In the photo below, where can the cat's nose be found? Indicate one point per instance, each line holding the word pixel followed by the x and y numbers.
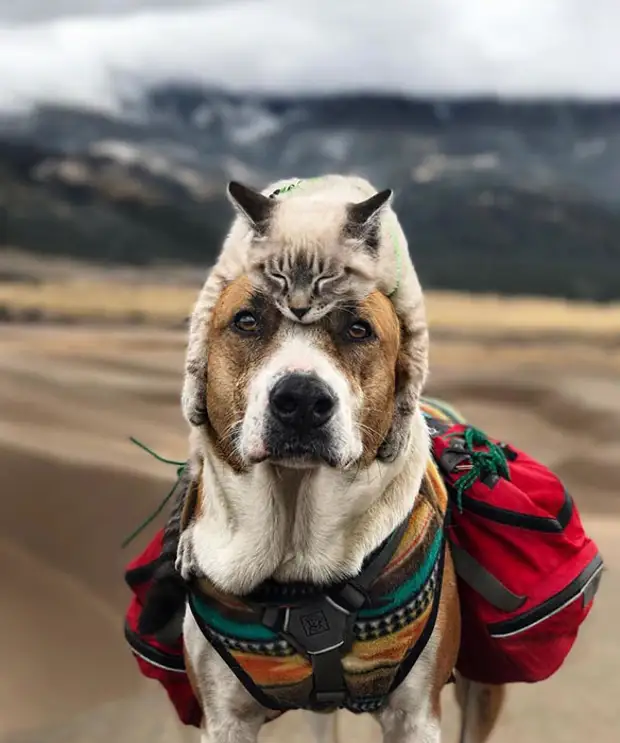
pixel 299 312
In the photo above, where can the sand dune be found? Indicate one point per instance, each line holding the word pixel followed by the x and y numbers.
pixel 72 487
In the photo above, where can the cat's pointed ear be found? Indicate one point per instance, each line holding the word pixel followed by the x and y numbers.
pixel 362 213
pixel 253 205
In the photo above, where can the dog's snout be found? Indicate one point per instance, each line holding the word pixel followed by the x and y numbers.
pixel 302 402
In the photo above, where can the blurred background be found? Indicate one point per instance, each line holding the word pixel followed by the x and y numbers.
pixel 498 126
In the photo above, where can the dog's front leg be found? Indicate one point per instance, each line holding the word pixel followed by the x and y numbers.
pixel 406 726
pixel 413 712
pixel 230 731
pixel 230 713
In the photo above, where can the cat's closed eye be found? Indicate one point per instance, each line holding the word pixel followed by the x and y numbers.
pixel 323 283
pixel 280 279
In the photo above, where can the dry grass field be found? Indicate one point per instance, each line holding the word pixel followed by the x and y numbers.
pixel 542 374
pixel 123 300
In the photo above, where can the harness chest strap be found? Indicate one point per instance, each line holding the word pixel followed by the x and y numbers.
pixel 323 627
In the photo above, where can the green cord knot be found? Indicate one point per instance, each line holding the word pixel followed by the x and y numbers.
pixel 490 461
pixel 180 470
pixel 285 189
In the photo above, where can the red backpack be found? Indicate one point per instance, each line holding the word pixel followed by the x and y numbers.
pixel 158 658
pixel 527 571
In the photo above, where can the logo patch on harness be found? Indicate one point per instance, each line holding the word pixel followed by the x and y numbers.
pixel 315 623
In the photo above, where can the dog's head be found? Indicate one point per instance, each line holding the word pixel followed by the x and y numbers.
pixel 300 395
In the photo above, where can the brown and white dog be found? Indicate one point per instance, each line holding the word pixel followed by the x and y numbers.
pixel 290 489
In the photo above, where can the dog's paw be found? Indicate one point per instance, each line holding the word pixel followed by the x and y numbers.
pixel 394 444
pixel 186 564
pixel 397 439
pixel 197 417
pixel 192 400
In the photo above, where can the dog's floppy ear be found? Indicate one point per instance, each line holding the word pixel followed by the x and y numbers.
pixel 364 212
pixel 251 204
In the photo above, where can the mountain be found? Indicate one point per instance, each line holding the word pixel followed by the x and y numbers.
pixel 519 197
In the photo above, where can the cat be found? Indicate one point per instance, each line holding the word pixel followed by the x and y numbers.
pixel 314 244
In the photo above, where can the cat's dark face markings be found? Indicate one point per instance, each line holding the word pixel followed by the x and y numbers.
pixel 304 284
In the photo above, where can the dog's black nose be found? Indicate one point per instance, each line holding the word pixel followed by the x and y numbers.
pixel 302 402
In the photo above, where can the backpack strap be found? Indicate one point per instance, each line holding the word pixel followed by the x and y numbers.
pixel 467 451
pixel 478 577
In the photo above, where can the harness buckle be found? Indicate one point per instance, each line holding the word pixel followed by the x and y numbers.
pixel 322 631
pixel 317 627
pixel 351 597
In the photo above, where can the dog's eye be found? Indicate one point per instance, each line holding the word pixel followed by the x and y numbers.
pixel 246 322
pixel 360 330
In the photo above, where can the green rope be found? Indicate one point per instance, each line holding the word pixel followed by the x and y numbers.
pixel 180 469
pixel 492 461
pixel 287 187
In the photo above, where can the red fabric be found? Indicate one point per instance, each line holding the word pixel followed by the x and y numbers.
pixel 176 683
pixel 529 562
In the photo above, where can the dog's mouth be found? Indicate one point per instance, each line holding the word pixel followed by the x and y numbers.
pixel 298 454
pixel 284 447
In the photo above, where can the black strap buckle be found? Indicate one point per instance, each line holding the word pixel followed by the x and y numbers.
pixel 317 627
pixel 322 630
pixel 453 456
pixel 329 699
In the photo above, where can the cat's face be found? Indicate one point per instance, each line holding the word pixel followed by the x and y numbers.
pixel 311 255
pixel 308 284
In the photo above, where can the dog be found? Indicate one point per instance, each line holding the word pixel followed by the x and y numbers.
pixel 288 491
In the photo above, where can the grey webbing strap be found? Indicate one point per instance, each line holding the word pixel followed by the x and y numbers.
pixel 376 566
pixel 487 585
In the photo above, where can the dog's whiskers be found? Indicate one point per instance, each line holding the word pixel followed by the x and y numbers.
pixel 227 432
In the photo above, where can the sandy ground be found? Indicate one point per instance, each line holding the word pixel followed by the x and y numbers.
pixel 72 487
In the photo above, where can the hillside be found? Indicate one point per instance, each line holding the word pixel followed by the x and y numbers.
pixel 510 198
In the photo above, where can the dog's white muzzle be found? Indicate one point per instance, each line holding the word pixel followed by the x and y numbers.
pixel 301 410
